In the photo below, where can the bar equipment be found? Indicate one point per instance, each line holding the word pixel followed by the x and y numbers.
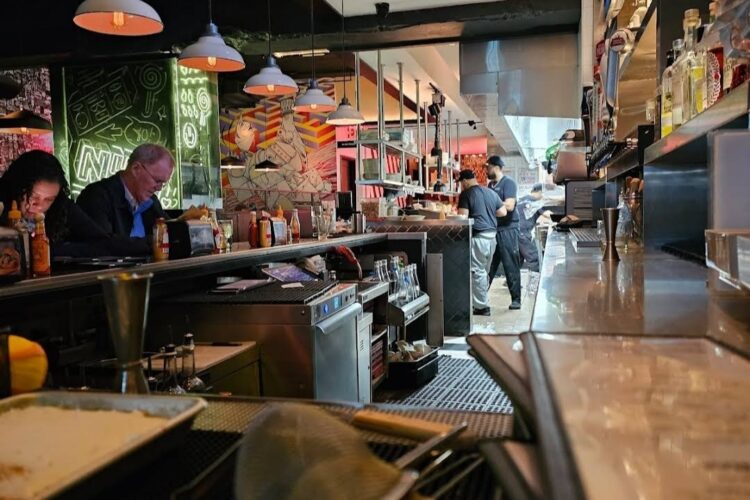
pixel 360 222
pixel 610 216
pixel 126 297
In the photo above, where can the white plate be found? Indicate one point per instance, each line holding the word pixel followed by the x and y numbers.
pixel 414 217
pixel 394 218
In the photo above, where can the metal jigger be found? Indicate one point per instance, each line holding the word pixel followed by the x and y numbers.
pixel 610 216
pixel 126 298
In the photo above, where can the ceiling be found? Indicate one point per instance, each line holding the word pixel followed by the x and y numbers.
pixel 364 7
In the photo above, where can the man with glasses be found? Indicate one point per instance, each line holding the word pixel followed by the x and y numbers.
pixel 125 204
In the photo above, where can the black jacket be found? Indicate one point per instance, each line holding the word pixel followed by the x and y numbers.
pixel 105 202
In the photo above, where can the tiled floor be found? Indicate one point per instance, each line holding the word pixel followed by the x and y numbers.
pixel 502 321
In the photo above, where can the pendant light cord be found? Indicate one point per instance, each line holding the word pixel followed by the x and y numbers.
pixel 312 32
pixel 269 28
pixel 210 13
pixel 343 46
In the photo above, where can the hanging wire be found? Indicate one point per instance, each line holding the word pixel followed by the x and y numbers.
pixel 269 28
pixel 210 13
pixel 343 46
pixel 312 32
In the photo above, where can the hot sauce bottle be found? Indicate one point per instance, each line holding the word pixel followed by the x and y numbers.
pixel 252 231
pixel 40 257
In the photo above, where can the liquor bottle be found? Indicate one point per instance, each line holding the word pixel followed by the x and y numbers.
pixel 678 99
pixel 736 73
pixel 160 241
pixel 40 257
pixel 252 230
pixel 692 71
pixel 714 64
pixel 666 96
pixel 294 227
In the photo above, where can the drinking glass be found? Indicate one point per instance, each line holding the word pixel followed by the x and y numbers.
pixel 415 281
pixel 227 226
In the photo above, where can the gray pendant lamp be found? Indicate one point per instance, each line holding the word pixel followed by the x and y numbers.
pixel 210 53
pixel 118 17
pixel 267 166
pixel 270 81
pixel 24 122
pixel 313 100
pixel 345 114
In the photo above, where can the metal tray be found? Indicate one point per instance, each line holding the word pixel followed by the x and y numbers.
pixel 178 414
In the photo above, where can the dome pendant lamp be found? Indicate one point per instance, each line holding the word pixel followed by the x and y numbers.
pixel 210 53
pixel 118 17
pixel 270 81
pixel 313 100
pixel 345 114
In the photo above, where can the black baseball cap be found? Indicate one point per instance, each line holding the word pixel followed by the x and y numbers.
pixel 495 161
pixel 466 175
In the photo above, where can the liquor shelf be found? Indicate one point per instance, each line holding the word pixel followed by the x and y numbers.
pixel 689 143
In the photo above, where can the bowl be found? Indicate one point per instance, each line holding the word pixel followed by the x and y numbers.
pixel 414 217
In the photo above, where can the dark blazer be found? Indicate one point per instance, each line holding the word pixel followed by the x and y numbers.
pixel 104 201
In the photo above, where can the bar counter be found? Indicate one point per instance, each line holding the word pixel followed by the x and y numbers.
pixel 635 377
pixel 164 272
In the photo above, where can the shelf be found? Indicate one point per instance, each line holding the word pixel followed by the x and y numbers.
pixel 441 193
pixel 374 143
pixel 624 162
pixel 689 143
pixel 393 185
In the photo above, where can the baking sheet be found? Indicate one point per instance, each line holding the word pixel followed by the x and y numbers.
pixel 177 413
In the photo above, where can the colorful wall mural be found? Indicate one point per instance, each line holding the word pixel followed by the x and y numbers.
pixel 35 96
pixel 302 144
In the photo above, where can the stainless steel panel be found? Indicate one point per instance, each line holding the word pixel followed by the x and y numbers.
pixel 335 356
pixel 675 203
pixel 364 358
pixel 519 70
pixel 729 180
pixel 435 324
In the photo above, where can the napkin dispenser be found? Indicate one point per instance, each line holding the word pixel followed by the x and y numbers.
pixel 189 238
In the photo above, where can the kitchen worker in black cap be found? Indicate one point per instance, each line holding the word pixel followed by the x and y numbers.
pixel 484 206
pixel 507 251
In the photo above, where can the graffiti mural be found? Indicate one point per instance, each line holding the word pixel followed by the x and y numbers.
pixel 302 144
pixel 34 96
pixel 113 109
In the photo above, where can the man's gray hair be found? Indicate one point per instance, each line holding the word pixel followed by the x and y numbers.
pixel 148 154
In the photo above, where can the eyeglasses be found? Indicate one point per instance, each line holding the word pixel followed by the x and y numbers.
pixel 157 182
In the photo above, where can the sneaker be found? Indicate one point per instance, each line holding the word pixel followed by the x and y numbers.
pixel 515 305
pixel 482 312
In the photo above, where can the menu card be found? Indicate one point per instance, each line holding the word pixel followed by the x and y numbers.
pixel 652 418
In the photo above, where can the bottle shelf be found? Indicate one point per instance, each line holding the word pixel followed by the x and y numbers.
pixel 689 143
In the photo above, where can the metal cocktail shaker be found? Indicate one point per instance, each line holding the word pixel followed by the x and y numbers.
pixel 610 216
pixel 126 298
pixel 359 223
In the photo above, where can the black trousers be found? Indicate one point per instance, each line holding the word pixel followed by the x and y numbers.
pixel 509 255
pixel 529 254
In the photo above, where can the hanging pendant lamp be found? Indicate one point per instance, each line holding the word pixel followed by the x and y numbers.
pixel 266 166
pixel 118 17
pixel 210 53
pixel 270 81
pixel 24 122
pixel 345 114
pixel 313 100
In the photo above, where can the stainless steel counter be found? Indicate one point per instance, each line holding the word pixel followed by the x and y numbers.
pixel 646 293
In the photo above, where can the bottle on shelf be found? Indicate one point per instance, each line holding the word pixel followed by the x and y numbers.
pixel 714 64
pixel 40 256
pixel 14 215
pixel 678 97
pixel 693 70
pixel 279 211
pixel 666 95
pixel 252 230
pixel 160 241
pixel 294 227
pixel 264 233
pixel 736 72
pixel 219 241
